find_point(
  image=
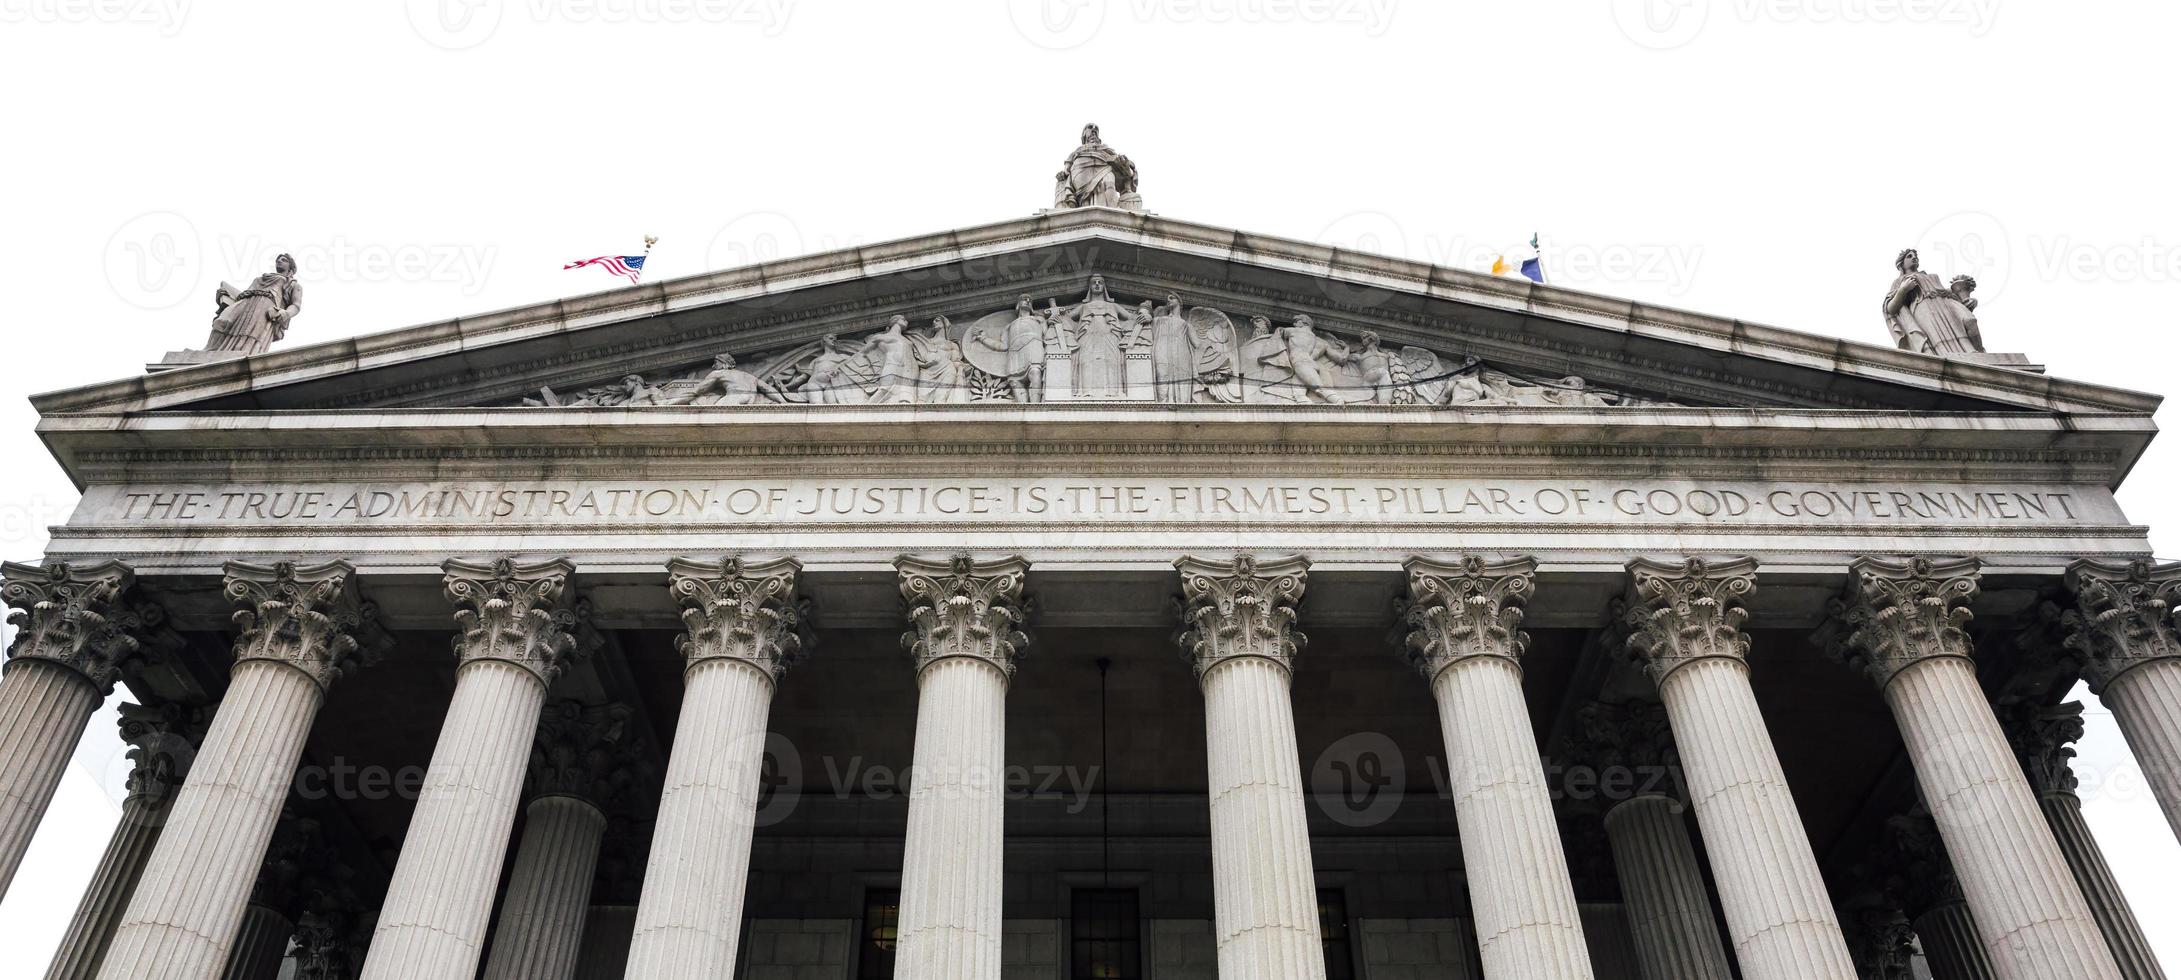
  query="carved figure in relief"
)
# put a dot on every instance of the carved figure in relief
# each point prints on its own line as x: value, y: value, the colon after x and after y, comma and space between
x: 1095, y: 329
x: 942, y: 374
x: 727, y: 384
x: 1173, y: 353
x: 1288, y: 364
x: 829, y: 382
x: 893, y: 357
x: 1011, y: 349
x: 1927, y: 316
x: 1380, y: 369
x: 250, y: 319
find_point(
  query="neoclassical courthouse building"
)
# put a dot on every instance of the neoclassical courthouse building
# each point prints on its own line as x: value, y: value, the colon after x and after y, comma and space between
x: 938, y: 610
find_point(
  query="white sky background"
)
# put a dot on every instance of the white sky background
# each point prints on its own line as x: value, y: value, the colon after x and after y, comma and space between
x: 1761, y: 161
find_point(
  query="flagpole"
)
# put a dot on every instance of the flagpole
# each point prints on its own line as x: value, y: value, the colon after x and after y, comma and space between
x: 649, y: 241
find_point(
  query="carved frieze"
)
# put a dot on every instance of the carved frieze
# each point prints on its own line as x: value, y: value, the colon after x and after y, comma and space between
x: 1895, y: 614
x: 1241, y: 608
x: 2122, y: 617
x: 77, y: 616
x: 516, y: 614
x: 1679, y: 614
x: 962, y: 607
x: 738, y: 610
x: 1099, y: 348
x: 306, y: 617
x: 1469, y: 609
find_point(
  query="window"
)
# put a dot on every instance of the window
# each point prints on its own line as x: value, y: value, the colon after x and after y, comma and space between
x: 1340, y: 958
x: 881, y: 928
x: 1104, y: 935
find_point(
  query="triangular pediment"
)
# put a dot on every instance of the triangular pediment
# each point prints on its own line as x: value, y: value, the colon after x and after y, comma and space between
x: 1379, y: 331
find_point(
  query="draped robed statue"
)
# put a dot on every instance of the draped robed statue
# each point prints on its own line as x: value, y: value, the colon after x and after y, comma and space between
x: 1097, y: 176
x: 1929, y: 316
x: 251, y: 319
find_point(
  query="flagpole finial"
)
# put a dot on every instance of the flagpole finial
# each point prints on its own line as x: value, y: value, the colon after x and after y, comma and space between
x: 649, y: 241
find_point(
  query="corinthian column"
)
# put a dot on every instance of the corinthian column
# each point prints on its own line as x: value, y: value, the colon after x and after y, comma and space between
x: 1901, y: 622
x: 1465, y: 636
x: 1662, y: 884
x: 967, y: 619
x: 1238, y: 631
x: 2121, y: 630
x: 585, y: 758
x: 516, y: 637
x: 299, y: 633
x: 1684, y: 623
x: 1925, y: 885
x: 297, y: 862
x: 162, y: 743
x: 73, y: 630
x: 2044, y: 739
x: 744, y: 629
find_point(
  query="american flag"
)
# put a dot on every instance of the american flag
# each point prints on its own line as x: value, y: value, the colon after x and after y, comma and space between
x: 630, y: 267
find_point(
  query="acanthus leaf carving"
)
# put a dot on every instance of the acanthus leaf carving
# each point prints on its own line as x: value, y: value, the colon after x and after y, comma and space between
x: 2044, y: 740
x: 1629, y: 735
x: 74, y: 615
x: 163, y: 742
x: 1894, y: 614
x: 588, y: 752
x: 1240, y: 609
x: 308, y: 617
x: 1465, y: 610
x: 740, y: 610
x: 2122, y: 617
x: 516, y: 614
x: 962, y: 607
x: 1679, y: 614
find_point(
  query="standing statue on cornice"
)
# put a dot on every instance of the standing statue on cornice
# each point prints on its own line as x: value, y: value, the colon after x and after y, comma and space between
x: 251, y: 319
x: 1926, y: 315
x: 1097, y: 176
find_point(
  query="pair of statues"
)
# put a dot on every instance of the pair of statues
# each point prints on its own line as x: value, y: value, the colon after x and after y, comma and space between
x: 1928, y: 316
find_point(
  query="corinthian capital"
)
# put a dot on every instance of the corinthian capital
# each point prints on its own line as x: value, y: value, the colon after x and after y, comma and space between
x: 737, y: 610
x: 1463, y: 611
x: 2122, y: 617
x: 1676, y: 614
x: 308, y: 617
x: 73, y: 615
x: 2044, y: 739
x: 162, y: 741
x: 587, y: 752
x: 1896, y: 614
x: 515, y: 613
x: 964, y: 608
x: 1239, y: 609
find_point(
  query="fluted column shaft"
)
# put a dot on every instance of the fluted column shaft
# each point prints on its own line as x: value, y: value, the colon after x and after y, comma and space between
x: 1951, y: 945
x: 184, y: 914
x: 1264, y: 886
x: 689, y: 917
x: 2146, y: 701
x: 100, y: 910
x: 2034, y: 921
x: 432, y: 926
x: 516, y: 638
x: 260, y: 944
x: 606, y: 933
x: 952, y: 868
x: 548, y: 891
x: 44, y: 707
x: 1778, y: 913
x: 1528, y: 924
x: 2123, y: 934
x: 1662, y: 885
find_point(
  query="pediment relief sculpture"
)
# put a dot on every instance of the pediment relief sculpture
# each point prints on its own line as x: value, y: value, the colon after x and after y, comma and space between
x: 1097, y: 349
